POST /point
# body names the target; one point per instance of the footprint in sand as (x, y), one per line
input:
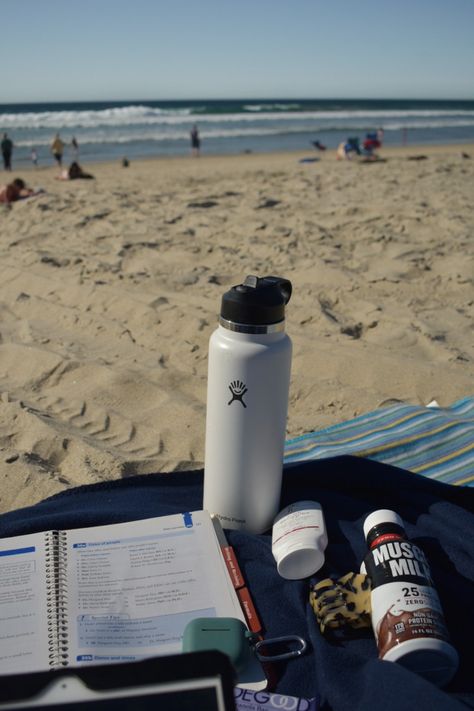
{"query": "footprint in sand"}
(91, 422)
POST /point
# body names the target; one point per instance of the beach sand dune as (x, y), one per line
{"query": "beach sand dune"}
(110, 289)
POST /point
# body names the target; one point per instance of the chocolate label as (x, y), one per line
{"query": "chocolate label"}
(402, 612)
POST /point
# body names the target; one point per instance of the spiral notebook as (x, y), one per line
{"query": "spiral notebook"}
(114, 593)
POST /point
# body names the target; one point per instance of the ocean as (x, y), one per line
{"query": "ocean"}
(140, 129)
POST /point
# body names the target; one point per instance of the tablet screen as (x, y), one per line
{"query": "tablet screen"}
(203, 680)
(71, 696)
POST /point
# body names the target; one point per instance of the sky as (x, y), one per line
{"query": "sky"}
(91, 50)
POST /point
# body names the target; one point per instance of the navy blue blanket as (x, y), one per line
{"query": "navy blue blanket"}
(346, 673)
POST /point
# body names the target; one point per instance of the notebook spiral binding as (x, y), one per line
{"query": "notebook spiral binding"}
(56, 605)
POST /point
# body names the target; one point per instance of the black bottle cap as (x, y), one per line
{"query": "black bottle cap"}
(258, 301)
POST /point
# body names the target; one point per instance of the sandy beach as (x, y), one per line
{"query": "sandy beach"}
(110, 289)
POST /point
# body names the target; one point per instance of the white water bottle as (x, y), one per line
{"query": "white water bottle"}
(247, 405)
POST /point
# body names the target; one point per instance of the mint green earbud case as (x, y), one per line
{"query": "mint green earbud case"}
(226, 634)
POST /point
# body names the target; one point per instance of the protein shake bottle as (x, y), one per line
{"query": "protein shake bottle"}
(407, 618)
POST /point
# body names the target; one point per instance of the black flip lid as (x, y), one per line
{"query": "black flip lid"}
(258, 301)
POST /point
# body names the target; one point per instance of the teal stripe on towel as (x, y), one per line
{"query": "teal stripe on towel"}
(435, 442)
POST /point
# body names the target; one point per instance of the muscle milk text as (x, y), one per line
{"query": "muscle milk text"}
(403, 558)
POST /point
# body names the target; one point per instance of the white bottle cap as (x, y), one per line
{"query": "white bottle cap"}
(297, 563)
(381, 516)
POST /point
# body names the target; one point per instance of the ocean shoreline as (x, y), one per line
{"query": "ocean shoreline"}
(111, 130)
(386, 153)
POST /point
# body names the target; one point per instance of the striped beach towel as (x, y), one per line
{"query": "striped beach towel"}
(437, 442)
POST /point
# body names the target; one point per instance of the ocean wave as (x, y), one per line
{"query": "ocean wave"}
(91, 119)
(272, 107)
(150, 134)
(142, 115)
(459, 123)
(111, 137)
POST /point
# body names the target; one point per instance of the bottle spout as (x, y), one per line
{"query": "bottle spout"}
(251, 281)
(254, 282)
(257, 301)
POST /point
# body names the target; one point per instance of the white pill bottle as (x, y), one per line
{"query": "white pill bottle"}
(247, 404)
(407, 617)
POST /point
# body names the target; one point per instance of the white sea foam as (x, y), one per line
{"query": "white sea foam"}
(160, 135)
(144, 135)
(271, 107)
(88, 119)
(143, 115)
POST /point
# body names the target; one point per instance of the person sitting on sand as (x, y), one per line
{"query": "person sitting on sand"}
(348, 149)
(74, 172)
(16, 190)
(370, 145)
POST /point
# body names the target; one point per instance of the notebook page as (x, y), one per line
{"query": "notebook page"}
(23, 604)
(133, 587)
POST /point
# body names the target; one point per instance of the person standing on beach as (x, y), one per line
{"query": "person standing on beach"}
(57, 149)
(34, 157)
(7, 150)
(195, 141)
(75, 148)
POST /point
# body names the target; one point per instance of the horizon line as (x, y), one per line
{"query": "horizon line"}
(233, 99)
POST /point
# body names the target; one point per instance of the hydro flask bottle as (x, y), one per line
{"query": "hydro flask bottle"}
(247, 404)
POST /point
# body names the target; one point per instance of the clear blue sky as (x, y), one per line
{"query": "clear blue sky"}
(68, 50)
